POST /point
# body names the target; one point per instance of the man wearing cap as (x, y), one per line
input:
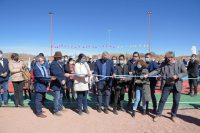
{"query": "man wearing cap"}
(193, 72)
(104, 67)
(4, 77)
(172, 72)
(57, 85)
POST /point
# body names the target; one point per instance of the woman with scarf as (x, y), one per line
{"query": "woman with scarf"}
(142, 86)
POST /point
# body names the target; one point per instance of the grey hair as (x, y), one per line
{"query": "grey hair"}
(105, 53)
(171, 53)
(38, 58)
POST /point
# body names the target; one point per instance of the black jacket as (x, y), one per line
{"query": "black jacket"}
(193, 69)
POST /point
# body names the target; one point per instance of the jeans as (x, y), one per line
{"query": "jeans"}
(38, 102)
(176, 98)
(4, 85)
(57, 101)
(82, 100)
(138, 96)
(18, 92)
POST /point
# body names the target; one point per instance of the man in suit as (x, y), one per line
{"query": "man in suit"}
(172, 72)
(104, 67)
(120, 84)
(57, 85)
(4, 77)
(193, 72)
(131, 68)
(41, 83)
(152, 65)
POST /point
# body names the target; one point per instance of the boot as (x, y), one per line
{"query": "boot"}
(122, 106)
(133, 113)
(115, 111)
(99, 109)
(144, 112)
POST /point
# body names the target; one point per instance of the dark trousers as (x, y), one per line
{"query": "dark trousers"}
(119, 97)
(193, 83)
(38, 102)
(176, 99)
(82, 100)
(112, 95)
(103, 94)
(18, 92)
(153, 96)
(130, 92)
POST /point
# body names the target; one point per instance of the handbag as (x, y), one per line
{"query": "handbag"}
(26, 75)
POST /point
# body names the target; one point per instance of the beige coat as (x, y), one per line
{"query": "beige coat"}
(15, 70)
(80, 81)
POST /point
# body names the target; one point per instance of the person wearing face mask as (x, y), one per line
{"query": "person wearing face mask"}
(193, 70)
(112, 95)
(120, 84)
(16, 68)
(131, 67)
(172, 72)
(104, 67)
(65, 59)
(142, 87)
(152, 65)
(69, 69)
(81, 81)
(4, 77)
(59, 84)
(41, 82)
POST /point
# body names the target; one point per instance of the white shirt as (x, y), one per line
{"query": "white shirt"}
(1, 61)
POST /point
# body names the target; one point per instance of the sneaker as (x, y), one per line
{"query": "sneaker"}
(57, 114)
(41, 116)
(155, 119)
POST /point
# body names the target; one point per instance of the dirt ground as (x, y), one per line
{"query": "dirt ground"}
(22, 120)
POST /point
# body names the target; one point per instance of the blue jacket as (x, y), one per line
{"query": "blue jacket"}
(40, 83)
(4, 69)
(109, 72)
(151, 67)
(57, 71)
(131, 65)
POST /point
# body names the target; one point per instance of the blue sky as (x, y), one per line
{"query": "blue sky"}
(24, 25)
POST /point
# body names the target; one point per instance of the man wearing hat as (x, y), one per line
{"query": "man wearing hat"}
(4, 76)
(57, 85)
(193, 70)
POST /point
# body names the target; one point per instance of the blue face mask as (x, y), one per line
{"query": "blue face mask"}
(82, 61)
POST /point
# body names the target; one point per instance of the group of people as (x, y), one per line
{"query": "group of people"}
(108, 77)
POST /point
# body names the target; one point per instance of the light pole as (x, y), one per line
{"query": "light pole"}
(51, 30)
(149, 13)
